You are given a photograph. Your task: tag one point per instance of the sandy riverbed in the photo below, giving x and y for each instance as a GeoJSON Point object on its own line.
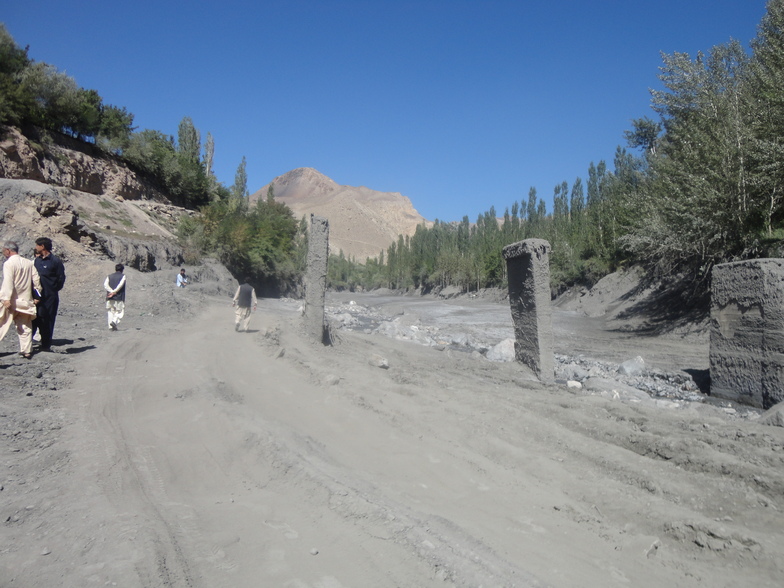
{"type": "Point", "coordinates": [177, 452]}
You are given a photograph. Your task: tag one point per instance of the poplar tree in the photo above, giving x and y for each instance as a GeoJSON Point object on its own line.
{"type": "Point", "coordinates": [530, 210]}
{"type": "Point", "coordinates": [239, 190]}
{"type": "Point", "coordinates": [209, 155]}
{"type": "Point", "coordinates": [188, 139]}
{"type": "Point", "coordinates": [577, 201]}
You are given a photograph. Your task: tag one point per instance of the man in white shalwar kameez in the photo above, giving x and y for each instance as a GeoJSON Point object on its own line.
{"type": "Point", "coordinates": [115, 296]}
{"type": "Point", "coordinates": [244, 300]}
{"type": "Point", "coordinates": [16, 297]}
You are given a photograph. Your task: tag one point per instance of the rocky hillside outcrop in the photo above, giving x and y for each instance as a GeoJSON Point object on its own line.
{"type": "Point", "coordinates": [91, 205]}
{"type": "Point", "coordinates": [138, 234]}
{"type": "Point", "coordinates": [362, 222]}
{"type": "Point", "coordinates": [61, 161]}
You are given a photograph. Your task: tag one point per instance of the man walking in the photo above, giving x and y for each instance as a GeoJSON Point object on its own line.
{"type": "Point", "coordinates": [115, 296]}
{"type": "Point", "coordinates": [16, 297]}
{"type": "Point", "coordinates": [244, 299]}
{"type": "Point", "coordinates": [52, 273]}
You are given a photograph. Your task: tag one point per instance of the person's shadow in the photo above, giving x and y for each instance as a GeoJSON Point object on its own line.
{"type": "Point", "coordinates": [59, 343]}
{"type": "Point", "coordinates": [6, 354]}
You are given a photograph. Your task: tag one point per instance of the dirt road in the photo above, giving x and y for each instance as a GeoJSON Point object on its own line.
{"type": "Point", "coordinates": [182, 453]}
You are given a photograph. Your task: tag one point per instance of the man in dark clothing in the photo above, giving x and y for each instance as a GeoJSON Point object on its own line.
{"type": "Point", "coordinates": [52, 273]}
{"type": "Point", "coordinates": [244, 299]}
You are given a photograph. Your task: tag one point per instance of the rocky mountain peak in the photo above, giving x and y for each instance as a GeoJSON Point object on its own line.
{"type": "Point", "coordinates": [362, 222]}
{"type": "Point", "coordinates": [302, 182]}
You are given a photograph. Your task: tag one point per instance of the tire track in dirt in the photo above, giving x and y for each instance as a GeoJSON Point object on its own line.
{"type": "Point", "coordinates": [131, 480]}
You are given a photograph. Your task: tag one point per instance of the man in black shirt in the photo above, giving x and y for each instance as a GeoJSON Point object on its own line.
{"type": "Point", "coordinates": [52, 273]}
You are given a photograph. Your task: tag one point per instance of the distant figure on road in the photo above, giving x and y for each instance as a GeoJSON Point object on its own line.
{"type": "Point", "coordinates": [115, 296]}
{"type": "Point", "coordinates": [16, 296]}
{"type": "Point", "coordinates": [244, 300]}
{"type": "Point", "coordinates": [52, 274]}
{"type": "Point", "coordinates": [182, 279]}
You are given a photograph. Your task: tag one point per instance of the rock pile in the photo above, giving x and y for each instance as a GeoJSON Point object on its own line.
{"type": "Point", "coordinates": [631, 381]}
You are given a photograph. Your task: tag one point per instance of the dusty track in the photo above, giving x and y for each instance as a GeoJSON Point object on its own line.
{"type": "Point", "coordinates": [183, 454]}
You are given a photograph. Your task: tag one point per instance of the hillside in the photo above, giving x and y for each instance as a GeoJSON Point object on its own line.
{"type": "Point", "coordinates": [97, 211]}
{"type": "Point", "coordinates": [362, 222]}
{"type": "Point", "coordinates": [61, 161]}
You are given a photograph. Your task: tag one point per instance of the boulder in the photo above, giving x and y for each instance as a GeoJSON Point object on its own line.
{"type": "Point", "coordinates": [614, 390]}
{"type": "Point", "coordinates": [632, 367]}
{"type": "Point", "coordinates": [774, 416]}
{"type": "Point", "coordinates": [504, 351]}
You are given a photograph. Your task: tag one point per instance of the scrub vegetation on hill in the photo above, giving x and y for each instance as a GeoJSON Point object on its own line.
{"type": "Point", "coordinates": [263, 243]}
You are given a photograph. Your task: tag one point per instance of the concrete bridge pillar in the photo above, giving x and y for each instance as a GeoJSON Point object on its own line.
{"type": "Point", "coordinates": [528, 270]}
{"type": "Point", "coordinates": [316, 279]}
{"type": "Point", "coordinates": [747, 332]}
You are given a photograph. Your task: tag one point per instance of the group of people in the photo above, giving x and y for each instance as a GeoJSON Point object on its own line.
{"type": "Point", "coordinates": [30, 294]}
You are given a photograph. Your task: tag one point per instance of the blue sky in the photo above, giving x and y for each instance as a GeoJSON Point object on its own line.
{"type": "Point", "coordinates": [459, 105]}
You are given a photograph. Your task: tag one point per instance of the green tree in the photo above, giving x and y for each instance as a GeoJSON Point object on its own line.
{"type": "Point", "coordinates": [209, 157]}
{"type": "Point", "coordinates": [645, 135]}
{"type": "Point", "coordinates": [530, 210]}
{"type": "Point", "coordinates": [766, 100]}
{"type": "Point", "coordinates": [265, 243]}
{"type": "Point", "coordinates": [696, 207]}
{"type": "Point", "coordinates": [56, 97]}
{"type": "Point", "coordinates": [577, 201]}
{"type": "Point", "coordinates": [239, 190]}
{"type": "Point", "coordinates": [114, 129]}
{"type": "Point", "coordinates": [15, 102]}
{"type": "Point", "coordinates": [188, 140]}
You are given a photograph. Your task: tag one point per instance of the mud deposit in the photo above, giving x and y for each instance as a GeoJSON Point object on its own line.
{"type": "Point", "coordinates": [177, 452]}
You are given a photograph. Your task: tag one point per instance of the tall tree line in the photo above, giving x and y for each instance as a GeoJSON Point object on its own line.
{"type": "Point", "coordinates": [703, 184]}
{"type": "Point", "coordinates": [712, 187]}
{"type": "Point", "coordinates": [468, 255]}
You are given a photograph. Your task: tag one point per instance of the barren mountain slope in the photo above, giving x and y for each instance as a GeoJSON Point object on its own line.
{"type": "Point", "coordinates": [362, 222]}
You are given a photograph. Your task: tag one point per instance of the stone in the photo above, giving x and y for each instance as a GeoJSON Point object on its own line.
{"type": "Point", "coordinates": [63, 163]}
{"type": "Point", "coordinates": [774, 416]}
{"type": "Point", "coordinates": [378, 361]}
{"type": "Point", "coordinates": [504, 351]}
{"type": "Point", "coordinates": [615, 390]}
{"type": "Point", "coordinates": [632, 367]}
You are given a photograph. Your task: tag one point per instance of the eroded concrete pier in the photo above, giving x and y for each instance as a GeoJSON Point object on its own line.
{"type": "Point", "coordinates": [316, 278]}
{"type": "Point", "coordinates": [747, 332]}
{"type": "Point", "coordinates": [528, 270]}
